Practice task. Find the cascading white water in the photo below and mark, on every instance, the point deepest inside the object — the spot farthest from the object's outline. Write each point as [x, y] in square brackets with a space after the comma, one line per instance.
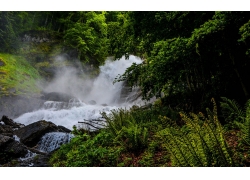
[53, 140]
[103, 91]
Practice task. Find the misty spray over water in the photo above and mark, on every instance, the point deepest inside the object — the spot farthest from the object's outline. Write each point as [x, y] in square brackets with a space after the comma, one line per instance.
[73, 81]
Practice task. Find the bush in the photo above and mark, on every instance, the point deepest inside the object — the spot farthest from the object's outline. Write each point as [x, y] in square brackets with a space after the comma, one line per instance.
[84, 150]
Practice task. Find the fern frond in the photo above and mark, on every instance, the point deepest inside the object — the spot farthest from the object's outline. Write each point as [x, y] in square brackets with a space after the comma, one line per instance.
[231, 110]
[200, 144]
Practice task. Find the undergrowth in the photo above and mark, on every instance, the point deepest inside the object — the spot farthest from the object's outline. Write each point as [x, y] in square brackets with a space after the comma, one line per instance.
[126, 141]
[158, 136]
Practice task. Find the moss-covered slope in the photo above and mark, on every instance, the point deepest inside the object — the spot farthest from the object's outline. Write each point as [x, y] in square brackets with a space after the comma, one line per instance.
[17, 76]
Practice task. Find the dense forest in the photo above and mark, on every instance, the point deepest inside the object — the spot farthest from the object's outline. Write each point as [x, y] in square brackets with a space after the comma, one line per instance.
[196, 63]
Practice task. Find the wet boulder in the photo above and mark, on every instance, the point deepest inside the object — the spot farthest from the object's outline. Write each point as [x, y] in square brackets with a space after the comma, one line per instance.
[16, 149]
[7, 126]
[57, 96]
[10, 122]
[6, 129]
[41, 160]
[63, 129]
[32, 133]
[9, 149]
[4, 140]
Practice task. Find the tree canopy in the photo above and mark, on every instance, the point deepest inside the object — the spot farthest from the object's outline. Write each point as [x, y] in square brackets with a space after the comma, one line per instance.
[191, 56]
[188, 56]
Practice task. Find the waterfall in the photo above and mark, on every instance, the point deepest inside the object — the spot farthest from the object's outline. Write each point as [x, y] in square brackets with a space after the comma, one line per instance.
[101, 90]
[53, 140]
[104, 91]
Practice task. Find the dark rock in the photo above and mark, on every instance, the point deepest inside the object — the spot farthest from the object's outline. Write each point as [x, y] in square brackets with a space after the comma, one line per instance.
[57, 96]
[10, 122]
[104, 104]
[6, 129]
[9, 149]
[92, 102]
[128, 94]
[1, 128]
[41, 160]
[4, 140]
[36, 151]
[63, 129]
[32, 133]
[8, 134]
[16, 149]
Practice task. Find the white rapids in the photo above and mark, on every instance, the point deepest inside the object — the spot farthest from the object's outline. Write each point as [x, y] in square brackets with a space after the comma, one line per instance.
[102, 91]
[53, 140]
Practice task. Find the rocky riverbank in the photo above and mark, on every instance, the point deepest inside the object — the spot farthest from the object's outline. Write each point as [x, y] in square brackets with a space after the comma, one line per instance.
[20, 145]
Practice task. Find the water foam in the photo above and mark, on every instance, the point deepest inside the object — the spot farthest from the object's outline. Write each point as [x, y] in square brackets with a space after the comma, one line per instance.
[103, 91]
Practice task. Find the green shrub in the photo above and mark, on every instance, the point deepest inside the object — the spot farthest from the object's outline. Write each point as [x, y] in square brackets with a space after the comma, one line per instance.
[130, 128]
[237, 118]
[231, 112]
[87, 151]
[133, 139]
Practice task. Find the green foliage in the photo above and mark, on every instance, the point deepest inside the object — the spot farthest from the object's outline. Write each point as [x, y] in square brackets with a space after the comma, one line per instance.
[126, 129]
[89, 36]
[188, 58]
[130, 128]
[237, 118]
[193, 64]
[155, 155]
[245, 34]
[199, 143]
[84, 150]
[231, 111]
[14, 24]
[245, 126]
[133, 138]
[7, 33]
[120, 34]
[148, 137]
[128, 135]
